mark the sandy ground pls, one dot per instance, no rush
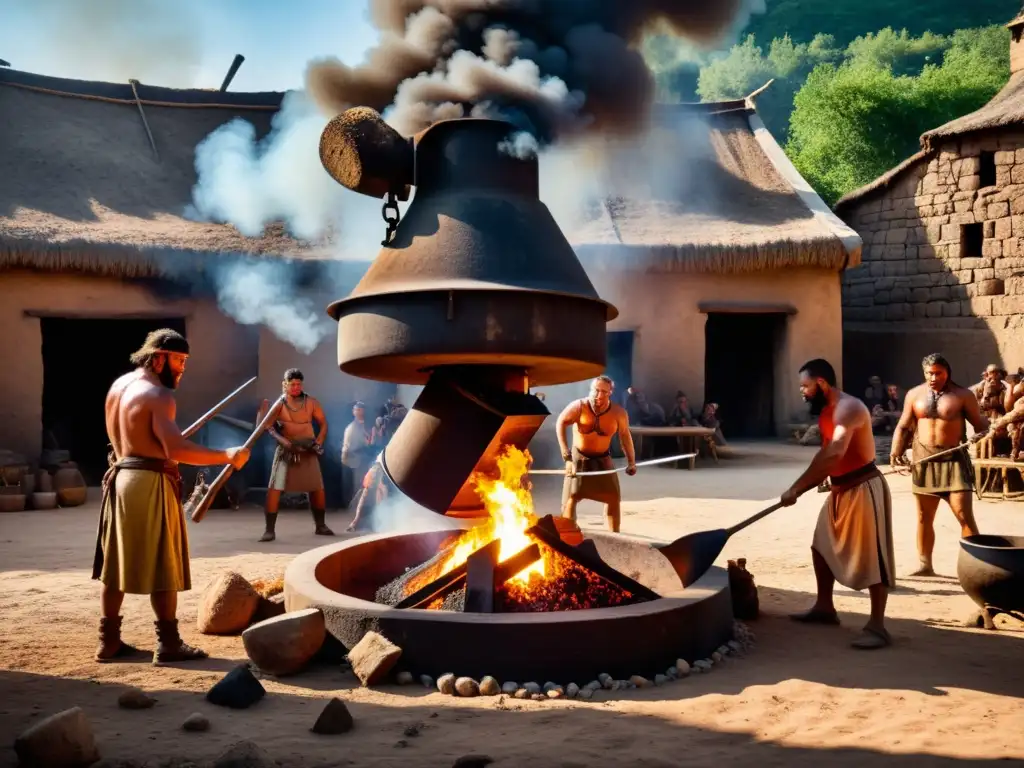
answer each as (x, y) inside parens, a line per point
(942, 694)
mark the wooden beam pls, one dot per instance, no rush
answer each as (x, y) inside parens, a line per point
(745, 307)
(480, 578)
(104, 314)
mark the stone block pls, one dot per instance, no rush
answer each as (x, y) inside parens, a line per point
(920, 281)
(910, 252)
(1003, 228)
(938, 293)
(899, 295)
(227, 605)
(967, 183)
(933, 309)
(933, 231)
(928, 266)
(992, 249)
(920, 294)
(1017, 204)
(923, 200)
(897, 312)
(993, 287)
(1003, 175)
(878, 269)
(1012, 247)
(930, 184)
(285, 644)
(964, 276)
(373, 658)
(977, 306)
(1014, 286)
(1017, 174)
(997, 210)
(1019, 156)
(975, 262)
(1016, 262)
(238, 689)
(950, 233)
(962, 218)
(988, 229)
(963, 206)
(63, 740)
(1007, 305)
(868, 218)
(918, 310)
(940, 198)
(958, 293)
(881, 297)
(985, 273)
(953, 264)
(895, 268)
(872, 206)
(1005, 157)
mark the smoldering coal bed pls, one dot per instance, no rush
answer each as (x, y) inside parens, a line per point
(353, 581)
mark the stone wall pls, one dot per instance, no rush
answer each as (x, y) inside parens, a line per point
(915, 266)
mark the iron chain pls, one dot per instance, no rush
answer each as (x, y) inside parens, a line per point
(391, 217)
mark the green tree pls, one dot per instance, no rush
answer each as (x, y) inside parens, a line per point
(852, 122)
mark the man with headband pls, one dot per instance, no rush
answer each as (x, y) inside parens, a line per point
(142, 542)
(595, 420)
(296, 467)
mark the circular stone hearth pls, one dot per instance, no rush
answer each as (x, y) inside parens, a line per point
(641, 639)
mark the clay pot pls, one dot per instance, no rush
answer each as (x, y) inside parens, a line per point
(12, 473)
(44, 500)
(44, 481)
(28, 483)
(10, 502)
(72, 497)
(67, 477)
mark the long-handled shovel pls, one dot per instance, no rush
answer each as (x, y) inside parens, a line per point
(693, 554)
(648, 463)
(198, 423)
(198, 512)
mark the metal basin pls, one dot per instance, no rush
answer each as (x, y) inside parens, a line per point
(991, 571)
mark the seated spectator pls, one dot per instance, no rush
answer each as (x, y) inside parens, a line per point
(709, 418)
(874, 394)
(642, 412)
(681, 415)
(886, 414)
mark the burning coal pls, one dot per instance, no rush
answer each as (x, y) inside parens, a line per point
(554, 68)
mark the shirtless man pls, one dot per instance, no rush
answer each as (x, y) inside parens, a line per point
(936, 414)
(853, 538)
(296, 467)
(1013, 420)
(595, 420)
(142, 541)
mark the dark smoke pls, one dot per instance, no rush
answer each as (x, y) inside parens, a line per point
(554, 68)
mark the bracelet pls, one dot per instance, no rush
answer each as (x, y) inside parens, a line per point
(566, 457)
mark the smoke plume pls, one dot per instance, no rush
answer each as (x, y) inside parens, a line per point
(557, 69)
(150, 40)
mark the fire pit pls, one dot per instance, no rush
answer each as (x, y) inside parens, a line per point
(478, 296)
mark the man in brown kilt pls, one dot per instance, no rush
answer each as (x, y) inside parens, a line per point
(142, 541)
(595, 420)
(296, 467)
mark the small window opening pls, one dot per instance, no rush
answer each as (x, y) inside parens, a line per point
(988, 169)
(971, 238)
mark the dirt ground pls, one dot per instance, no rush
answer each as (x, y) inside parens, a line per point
(942, 694)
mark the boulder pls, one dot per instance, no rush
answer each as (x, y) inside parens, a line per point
(63, 740)
(489, 687)
(227, 605)
(238, 689)
(196, 723)
(269, 607)
(467, 687)
(135, 698)
(285, 644)
(334, 719)
(373, 658)
(245, 754)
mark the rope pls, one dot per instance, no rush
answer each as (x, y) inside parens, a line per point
(146, 102)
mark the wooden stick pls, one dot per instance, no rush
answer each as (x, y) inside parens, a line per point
(145, 123)
(215, 411)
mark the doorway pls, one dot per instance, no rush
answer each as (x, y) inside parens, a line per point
(739, 370)
(620, 363)
(81, 359)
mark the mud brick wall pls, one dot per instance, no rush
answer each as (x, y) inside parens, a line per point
(921, 262)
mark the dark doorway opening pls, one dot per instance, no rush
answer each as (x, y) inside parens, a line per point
(620, 363)
(81, 359)
(739, 370)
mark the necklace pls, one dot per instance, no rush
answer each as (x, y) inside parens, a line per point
(932, 409)
(300, 408)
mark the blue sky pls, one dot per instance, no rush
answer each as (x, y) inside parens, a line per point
(182, 43)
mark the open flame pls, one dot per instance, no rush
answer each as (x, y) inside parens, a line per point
(510, 506)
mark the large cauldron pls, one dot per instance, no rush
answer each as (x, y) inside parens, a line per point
(991, 572)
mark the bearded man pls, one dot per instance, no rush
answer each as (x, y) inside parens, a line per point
(595, 420)
(936, 414)
(296, 467)
(852, 541)
(142, 541)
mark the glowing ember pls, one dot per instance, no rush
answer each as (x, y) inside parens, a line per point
(510, 506)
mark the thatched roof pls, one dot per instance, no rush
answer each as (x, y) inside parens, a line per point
(84, 191)
(885, 181)
(1005, 108)
(727, 200)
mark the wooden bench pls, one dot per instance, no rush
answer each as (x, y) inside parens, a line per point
(687, 438)
(1005, 466)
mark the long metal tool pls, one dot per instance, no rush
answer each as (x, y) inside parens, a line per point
(649, 463)
(199, 512)
(198, 423)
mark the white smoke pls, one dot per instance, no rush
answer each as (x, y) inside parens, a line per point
(397, 513)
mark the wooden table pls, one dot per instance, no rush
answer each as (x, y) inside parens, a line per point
(687, 438)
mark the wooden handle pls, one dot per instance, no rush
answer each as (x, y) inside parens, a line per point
(751, 520)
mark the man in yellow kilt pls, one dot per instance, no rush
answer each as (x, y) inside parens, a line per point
(142, 541)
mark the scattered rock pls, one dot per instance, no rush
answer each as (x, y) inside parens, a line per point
(426, 681)
(135, 698)
(404, 678)
(639, 681)
(522, 693)
(724, 650)
(467, 687)
(702, 664)
(682, 667)
(587, 694)
(549, 686)
(373, 658)
(509, 687)
(472, 761)
(672, 673)
(489, 687)
(605, 680)
(227, 605)
(401, 744)
(245, 754)
(716, 657)
(195, 723)
(555, 693)
(593, 685)
(285, 644)
(63, 740)
(572, 690)
(446, 684)
(735, 647)
(616, 685)
(411, 730)
(538, 697)
(269, 607)
(334, 719)
(238, 689)
(660, 679)
(532, 687)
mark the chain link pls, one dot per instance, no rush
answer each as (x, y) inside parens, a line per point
(391, 217)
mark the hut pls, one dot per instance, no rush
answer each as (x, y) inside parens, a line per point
(725, 267)
(96, 249)
(944, 258)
